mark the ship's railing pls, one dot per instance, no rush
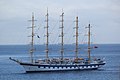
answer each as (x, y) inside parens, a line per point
(57, 59)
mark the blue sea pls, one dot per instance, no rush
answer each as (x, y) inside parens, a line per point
(10, 70)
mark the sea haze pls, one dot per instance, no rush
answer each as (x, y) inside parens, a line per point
(10, 70)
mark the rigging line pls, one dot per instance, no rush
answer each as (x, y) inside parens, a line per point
(37, 29)
(53, 29)
(38, 39)
(66, 29)
(54, 26)
(52, 32)
(83, 39)
(56, 33)
(70, 33)
(56, 40)
(70, 39)
(44, 38)
(39, 34)
(84, 36)
(80, 33)
(43, 34)
(52, 19)
(55, 23)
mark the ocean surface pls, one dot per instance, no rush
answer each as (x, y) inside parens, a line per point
(10, 70)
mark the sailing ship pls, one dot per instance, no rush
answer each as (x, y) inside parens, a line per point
(60, 63)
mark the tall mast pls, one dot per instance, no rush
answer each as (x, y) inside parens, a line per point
(89, 42)
(76, 51)
(32, 39)
(47, 35)
(62, 35)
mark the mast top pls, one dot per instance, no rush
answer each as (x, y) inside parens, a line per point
(89, 25)
(47, 10)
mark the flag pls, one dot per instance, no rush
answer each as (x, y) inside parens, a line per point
(38, 36)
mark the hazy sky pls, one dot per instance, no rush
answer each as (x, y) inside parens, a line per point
(104, 16)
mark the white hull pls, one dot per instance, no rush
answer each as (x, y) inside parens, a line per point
(29, 68)
(37, 67)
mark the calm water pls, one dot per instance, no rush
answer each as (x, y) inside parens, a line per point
(10, 70)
